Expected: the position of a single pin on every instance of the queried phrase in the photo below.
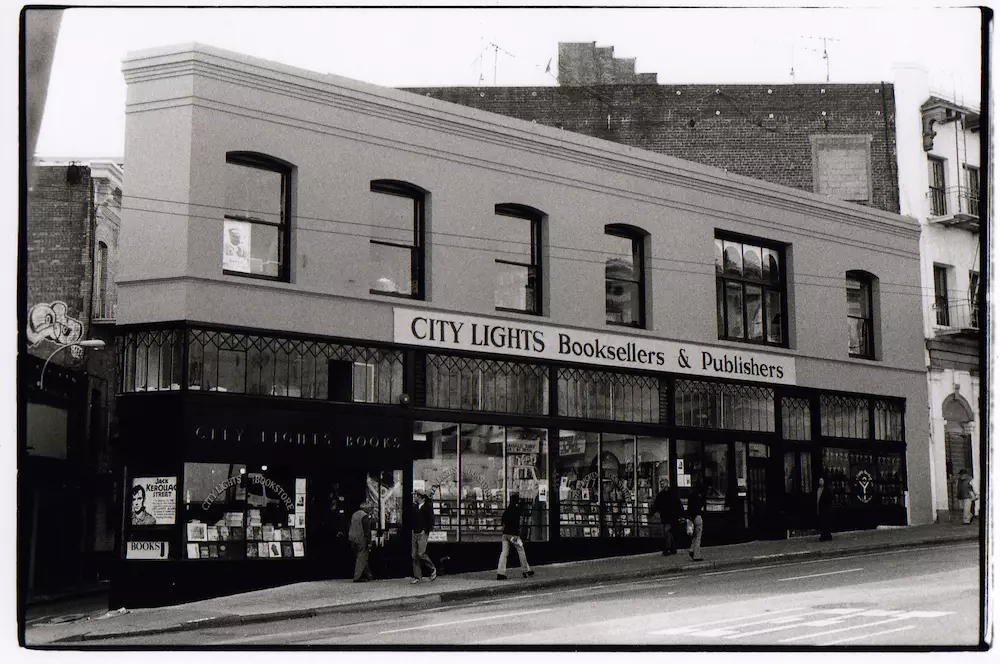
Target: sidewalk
(300, 600)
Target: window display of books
(579, 519)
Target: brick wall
(59, 265)
(760, 131)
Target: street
(926, 596)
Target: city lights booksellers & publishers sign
(544, 342)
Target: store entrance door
(758, 463)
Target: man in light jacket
(360, 536)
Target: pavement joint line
(490, 591)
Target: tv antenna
(826, 54)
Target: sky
(410, 47)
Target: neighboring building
(68, 505)
(939, 147)
(834, 139)
(332, 291)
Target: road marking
(782, 555)
(842, 629)
(467, 620)
(868, 636)
(780, 627)
(811, 576)
(690, 628)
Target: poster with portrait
(236, 246)
(154, 501)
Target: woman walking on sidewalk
(696, 505)
(511, 521)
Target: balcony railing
(954, 206)
(957, 316)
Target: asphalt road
(925, 596)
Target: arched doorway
(958, 419)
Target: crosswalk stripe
(842, 629)
(868, 636)
(691, 628)
(812, 576)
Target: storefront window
(717, 477)
(863, 478)
(463, 383)
(888, 420)
(796, 419)
(527, 475)
(482, 486)
(234, 511)
(890, 484)
(435, 471)
(603, 395)
(689, 467)
(723, 406)
(579, 494)
(618, 484)
(843, 417)
(652, 473)
(836, 471)
(385, 492)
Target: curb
(452, 596)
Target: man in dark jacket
(360, 536)
(669, 506)
(423, 522)
(696, 505)
(824, 502)
(511, 521)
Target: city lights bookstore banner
(544, 342)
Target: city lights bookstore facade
(333, 292)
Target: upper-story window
(974, 299)
(939, 204)
(971, 189)
(397, 239)
(941, 309)
(624, 276)
(750, 289)
(517, 233)
(102, 307)
(258, 209)
(860, 314)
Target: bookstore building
(415, 296)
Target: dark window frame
(638, 238)
(284, 169)
(972, 191)
(866, 282)
(534, 217)
(781, 287)
(937, 187)
(943, 316)
(974, 286)
(417, 248)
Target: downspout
(890, 160)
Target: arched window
(255, 239)
(861, 314)
(516, 240)
(624, 275)
(397, 239)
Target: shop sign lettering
(301, 438)
(252, 478)
(544, 342)
(146, 550)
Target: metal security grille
(151, 361)
(843, 417)
(602, 395)
(464, 383)
(723, 406)
(260, 365)
(796, 419)
(888, 420)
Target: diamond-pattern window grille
(464, 383)
(605, 395)
(252, 364)
(723, 406)
(796, 419)
(888, 420)
(843, 416)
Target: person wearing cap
(511, 520)
(423, 521)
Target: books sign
(147, 550)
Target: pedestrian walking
(966, 495)
(671, 510)
(824, 502)
(423, 522)
(695, 507)
(511, 520)
(360, 536)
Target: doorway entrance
(957, 447)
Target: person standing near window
(824, 501)
(422, 523)
(668, 504)
(696, 505)
(360, 536)
(511, 520)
